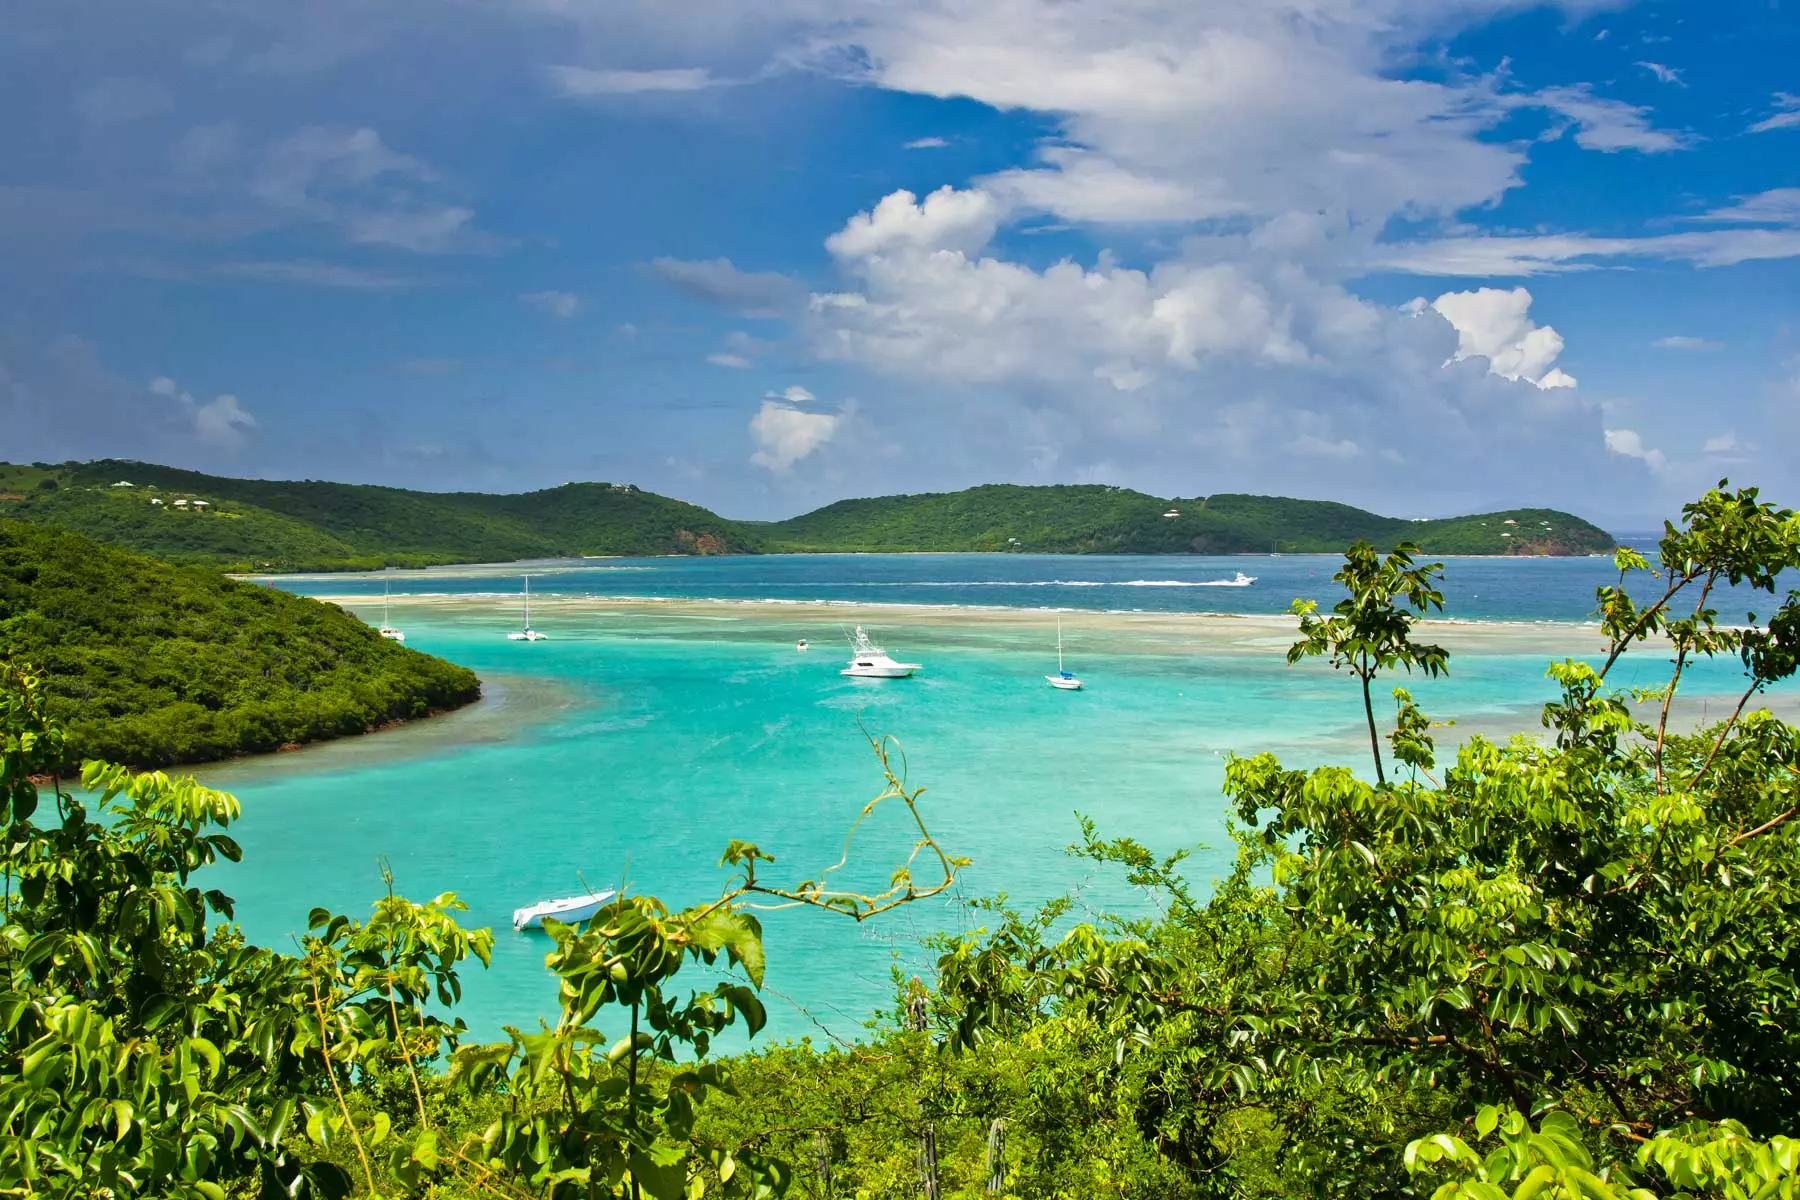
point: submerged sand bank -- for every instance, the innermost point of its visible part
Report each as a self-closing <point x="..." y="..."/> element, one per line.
<point x="1152" y="632"/>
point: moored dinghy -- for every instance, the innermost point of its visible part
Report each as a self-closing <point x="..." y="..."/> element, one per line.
<point x="568" y="910"/>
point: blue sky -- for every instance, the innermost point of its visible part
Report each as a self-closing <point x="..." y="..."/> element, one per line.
<point x="1422" y="256"/>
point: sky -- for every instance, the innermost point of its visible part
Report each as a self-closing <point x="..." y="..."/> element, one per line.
<point x="1425" y="256"/>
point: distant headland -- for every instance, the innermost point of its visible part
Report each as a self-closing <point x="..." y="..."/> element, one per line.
<point x="265" y="526"/>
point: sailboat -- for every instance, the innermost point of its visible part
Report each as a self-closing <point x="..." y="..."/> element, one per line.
<point x="1062" y="681"/>
<point x="387" y="631"/>
<point x="527" y="633"/>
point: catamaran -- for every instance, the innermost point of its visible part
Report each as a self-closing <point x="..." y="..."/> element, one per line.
<point x="568" y="910"/>
<point x="1063" y="680"/>
<point x="869" y="661"/>
<point x="387" y="631"/>
<point x="527" y="634"/>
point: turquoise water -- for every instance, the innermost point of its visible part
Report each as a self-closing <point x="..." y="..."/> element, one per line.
<point x="638" y="740"/>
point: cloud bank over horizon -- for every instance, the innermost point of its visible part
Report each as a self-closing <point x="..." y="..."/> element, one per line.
<point x="1184" y="247"/>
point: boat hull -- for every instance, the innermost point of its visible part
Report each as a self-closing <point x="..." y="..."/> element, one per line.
<point x="893" y="671"/>
<point x="528" y="635"/>
<point x="1063" y="685"/>
<point x="569" y="910"/>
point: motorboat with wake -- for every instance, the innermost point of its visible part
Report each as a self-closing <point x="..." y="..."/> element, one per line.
<point x="869" y="661"/>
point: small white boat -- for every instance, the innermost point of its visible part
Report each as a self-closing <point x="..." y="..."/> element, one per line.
<point x="387" y="630"/>
<point x="1240" y="580"/>
<point x="527" y="634"/>
<point x="1062" y="681"/>
<point x="869" y="661"/>
<point x="568" y="910"/>
<point x="801" y="644"/>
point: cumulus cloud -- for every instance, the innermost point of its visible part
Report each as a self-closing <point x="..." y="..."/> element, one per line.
<point x="947" y="219"/>
<point x="1785" y="116"/>
<point x="785" y="433"/>
<point x="220" y="421"/>
<point x="717" y="281"/>
<point x="1222" y="359"/>
<point x="556" y="304"/>
<point x="1627" y="444"/>
<point x="1494" y="324"/>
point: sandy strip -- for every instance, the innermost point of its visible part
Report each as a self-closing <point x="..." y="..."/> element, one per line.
<point x="1150" y="631"/>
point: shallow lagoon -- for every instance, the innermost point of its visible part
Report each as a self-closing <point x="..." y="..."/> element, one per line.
<point x="646" y="733"/>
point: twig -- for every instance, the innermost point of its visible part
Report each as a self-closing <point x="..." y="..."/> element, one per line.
<point x="331" y="1074"/>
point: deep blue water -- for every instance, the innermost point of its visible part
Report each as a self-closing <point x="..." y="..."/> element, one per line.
<point x="1490" y="589"/>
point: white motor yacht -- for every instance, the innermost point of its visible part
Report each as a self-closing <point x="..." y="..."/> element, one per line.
<point x="869" y="661"/>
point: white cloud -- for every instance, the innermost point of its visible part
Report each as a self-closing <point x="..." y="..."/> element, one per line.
<point x="351" y="179"/>
<point x="926" y="143"/>
<point x="1785" y="116"/>
<point x="1605" y="125"/>
<point x="736" y="362"/>
<point x="314" y="274"/>
<point x="784" y="434"/>
<point x="1545" y="254"/>
<point x="947" y="219"/>
<point x="793" y="394"/>
<point x="220" y="421"/>
<point x="1663" y="74"/>
<point x="1724" y="445"/>
<point x="717" y="281"/>
<point x="1682" y="341"/>
<point x="1495" y="324"/>
<point x="556" y="304"/>
<point x="583" y="81"/>
<point x="1777" y="206"/>
<point x="1627" y="444"/>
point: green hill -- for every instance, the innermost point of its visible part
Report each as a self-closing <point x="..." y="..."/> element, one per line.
<point x="153" y="663"/>
<point x="264" y="525"/>
<point x="1090" y="519"/>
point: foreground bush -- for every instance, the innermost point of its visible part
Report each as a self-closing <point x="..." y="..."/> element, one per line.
<point x="1561" y="969"/>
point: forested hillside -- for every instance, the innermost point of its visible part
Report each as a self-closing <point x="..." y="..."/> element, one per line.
<point x="262" y="525"/>
<point x="1093" y="519"/>
<point x="152" y="663"/>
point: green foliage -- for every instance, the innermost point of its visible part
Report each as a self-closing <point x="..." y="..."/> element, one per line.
<point x="154" y="664"/>
<point x="1370" y="631"/>
<point x="1095" y="519"/>
<point x="1599" y="930"/>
